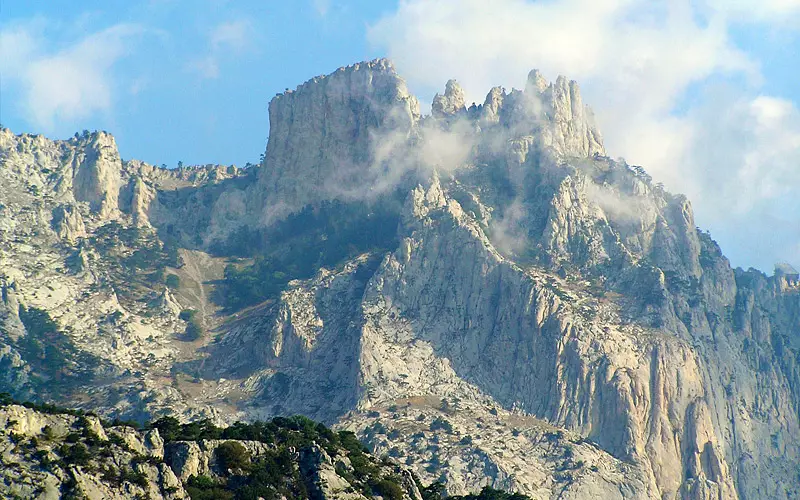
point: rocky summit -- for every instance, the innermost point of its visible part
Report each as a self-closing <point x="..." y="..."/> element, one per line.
<point x="479" y="293"/>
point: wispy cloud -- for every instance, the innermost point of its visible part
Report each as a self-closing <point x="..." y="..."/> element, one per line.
<point x="782" y="12"/>
<point x="636" y="60"/>
<point x="322" y="7"/>
<point x="226" y="39"/>
<point x="66" y="84"/>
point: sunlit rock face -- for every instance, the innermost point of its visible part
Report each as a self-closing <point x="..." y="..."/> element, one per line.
<point x="546" y="319"/>
<point x="329" y="137"/>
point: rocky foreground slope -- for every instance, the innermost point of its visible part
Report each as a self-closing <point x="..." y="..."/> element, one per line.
<point x="479" y="292"/>
<point x="50" y="453"/>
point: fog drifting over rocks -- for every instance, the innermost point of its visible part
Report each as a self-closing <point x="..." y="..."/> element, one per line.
<point x="671" y="90"/>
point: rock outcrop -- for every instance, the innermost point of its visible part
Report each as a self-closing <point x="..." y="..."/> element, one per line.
<point x="449" y="104"/>
<point x="49" y="456"/>
<point x="330" y="137"/>
<point x="68" y="223"/>
<point x="97" y="169"/>
<point x="50" y="453"/>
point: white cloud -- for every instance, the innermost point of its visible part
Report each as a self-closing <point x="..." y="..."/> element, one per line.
<point x="233" y="35"/>
<point x="322" y="7"/>
<point x="64" y="85"/>
<point x="780" y="11"/>
<point x="737" y="155"/>
<point x="18" y="46"/>
<point x="226" y="38"/>
<point x="636" y="60"/>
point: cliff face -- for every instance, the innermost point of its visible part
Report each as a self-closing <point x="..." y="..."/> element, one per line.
<point x="546" y="319"/>
<point x="328" y="138"/>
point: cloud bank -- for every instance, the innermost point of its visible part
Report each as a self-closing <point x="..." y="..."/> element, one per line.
<point x="670" y="88"/>
<point x="231" y="37"/>
<point x="71" y="83"/>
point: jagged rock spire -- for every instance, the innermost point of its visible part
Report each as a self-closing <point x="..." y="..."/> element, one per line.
<point x="449" y="104"/>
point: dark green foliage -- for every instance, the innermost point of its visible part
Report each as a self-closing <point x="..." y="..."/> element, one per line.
<point x="194" y="328"/>
<point x="169" y="428"/>
<point x="47" y="433"/>
<point x="242" y="242"/>
<point x="134" y="477"/>
<point x="441" y="423"/>
<point x="233" y="456"/>
<point x="55" y="361"/>
<point x="434" y="491"/>
<point x="76" y="454"/>
<point x="351" y="443"/>
<point x="318" y="236"/>
<point x="172" y="281"/>
<point x="388" y="488"/>
<point x="205" y="488"/>
<point x="343" y="472"/>
<point x="273" y="474"/>
<point x="123" y="423"/>
<point x="296" y="431"/>
<point x="488" y="493"/>
<point x="362" y="466"/>
<point x="134" y="257"/>
<point x="187" y="314"/>
<point x="43" y="457"/>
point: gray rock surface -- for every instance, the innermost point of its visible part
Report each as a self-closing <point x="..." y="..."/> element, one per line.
<point x="449" y="104"/>
<point x="34" y="464"/>
<point x="329" y="137"/>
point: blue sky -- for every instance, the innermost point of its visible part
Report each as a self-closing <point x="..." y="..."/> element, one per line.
<point x="194" y="78"/>
<point x="703" y="93"/>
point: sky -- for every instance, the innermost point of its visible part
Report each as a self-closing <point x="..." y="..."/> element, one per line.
<point x="705" y="94"/>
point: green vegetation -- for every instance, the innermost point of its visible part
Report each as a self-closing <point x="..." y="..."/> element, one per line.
<point x="295" y="248"/>
<point x="388" y="489"/>
<point x="205" y="488"/>
<point x="173" y="281"/>
<point x="443" y="424"/>
<point x="56" y="364"/>
<point x="436" y="491"/>
<point x="271" y="474"/>
<point x="232" y="456"/>
<point x="194" y="327"/>
<point x="135" y="257"/>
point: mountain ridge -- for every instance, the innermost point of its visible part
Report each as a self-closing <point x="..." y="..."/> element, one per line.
<point x="529" y="275"/>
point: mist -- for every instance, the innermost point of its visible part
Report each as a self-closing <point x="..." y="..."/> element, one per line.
<point x="671" y="91"/>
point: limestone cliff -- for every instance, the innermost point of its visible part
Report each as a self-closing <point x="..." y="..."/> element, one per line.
<point x="329" y="137"/>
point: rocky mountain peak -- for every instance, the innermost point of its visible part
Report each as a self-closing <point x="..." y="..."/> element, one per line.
<point x="97" y="168"/>
<point x="553" y="116"/>
<point x="449" y="104"/>
<point x="353" y="133"/>
<point x="327" y="135"/>
<point x="536" y="82"/>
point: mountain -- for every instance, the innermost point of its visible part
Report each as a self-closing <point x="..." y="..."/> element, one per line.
<point x="480" y="293"/>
